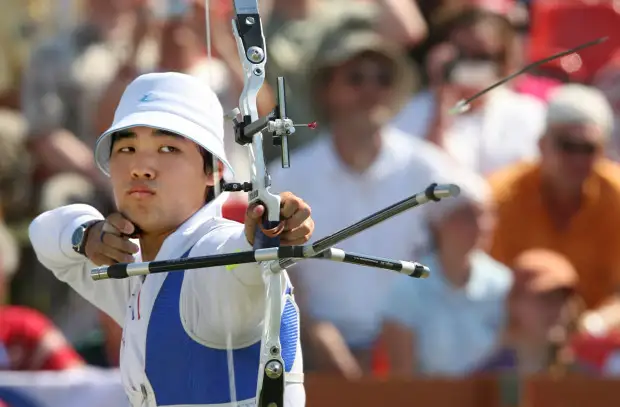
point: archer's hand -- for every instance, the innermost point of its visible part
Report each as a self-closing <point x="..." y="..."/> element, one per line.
<point x="108" y="241"/>
<point x="295" y="213"/>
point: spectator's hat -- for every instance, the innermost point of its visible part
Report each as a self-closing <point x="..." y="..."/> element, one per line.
<point x="578" y="104"/>
<point x="542" y="271"/>
<point x="173" y="102"/>
<point x="352" y="38"/>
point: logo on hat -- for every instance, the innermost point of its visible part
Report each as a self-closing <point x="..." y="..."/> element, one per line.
<point x="147" y="98"/>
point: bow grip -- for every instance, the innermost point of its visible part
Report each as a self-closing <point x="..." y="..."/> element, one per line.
<point x="267" y="235"/>
<point x="262" y="240"/>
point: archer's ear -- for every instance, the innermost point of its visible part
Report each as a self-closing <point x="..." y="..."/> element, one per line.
<point x="212" y="175"/>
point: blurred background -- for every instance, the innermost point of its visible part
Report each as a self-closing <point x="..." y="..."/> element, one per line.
<point x="523" y="303"/>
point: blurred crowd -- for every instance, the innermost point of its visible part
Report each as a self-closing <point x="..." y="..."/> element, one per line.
<point x="525" y="264"/>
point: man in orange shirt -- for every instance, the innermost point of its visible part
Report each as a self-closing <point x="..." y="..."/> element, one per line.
<point x="568" y="201"/>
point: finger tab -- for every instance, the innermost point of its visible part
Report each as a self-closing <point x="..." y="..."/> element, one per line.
<point x="274" y="231"/>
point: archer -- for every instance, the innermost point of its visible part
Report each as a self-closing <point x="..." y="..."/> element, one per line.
<point x="158" y="154"/>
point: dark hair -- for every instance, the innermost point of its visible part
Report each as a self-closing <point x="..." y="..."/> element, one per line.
<point x="207" y="158"/>
<point x="471" y="17"/>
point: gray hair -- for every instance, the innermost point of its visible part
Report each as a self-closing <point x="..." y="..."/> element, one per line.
<point x="580" y="104"/>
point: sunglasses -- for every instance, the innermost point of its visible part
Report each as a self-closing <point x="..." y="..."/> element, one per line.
<point x="566" y="145"/>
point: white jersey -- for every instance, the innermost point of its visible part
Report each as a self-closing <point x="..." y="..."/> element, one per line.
<point x="175" y="324"/>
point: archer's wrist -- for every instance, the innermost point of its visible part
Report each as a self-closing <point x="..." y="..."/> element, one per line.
<point x="67" y="236"/>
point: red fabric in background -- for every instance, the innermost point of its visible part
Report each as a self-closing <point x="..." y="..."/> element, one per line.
<point x="557" y="25"/>
<point x="234" y="209"/>
<point x="23" y="331"/>
<point x="380" y="362"/>
<point x="595" y="351"/>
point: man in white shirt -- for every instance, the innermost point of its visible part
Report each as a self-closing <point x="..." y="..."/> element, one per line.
<point x="158" y="154"/>
<point x="356" y="167"/>
<point x="503" y="126"/>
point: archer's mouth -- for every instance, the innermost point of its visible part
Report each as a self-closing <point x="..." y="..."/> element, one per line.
<point x="141" y="194"/>
<point x="141" y="191"/>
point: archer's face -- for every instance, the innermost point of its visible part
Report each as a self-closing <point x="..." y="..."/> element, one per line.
<point x="158" y="179"/>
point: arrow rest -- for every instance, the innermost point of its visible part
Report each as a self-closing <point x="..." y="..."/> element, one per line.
<point x="276" y="123"/>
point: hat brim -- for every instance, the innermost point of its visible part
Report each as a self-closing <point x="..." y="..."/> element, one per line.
<point x="355" y="44"/>
<point x="161" y="121"/>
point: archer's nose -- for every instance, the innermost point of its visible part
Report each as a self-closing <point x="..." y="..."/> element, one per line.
<point x="142" y="169"/>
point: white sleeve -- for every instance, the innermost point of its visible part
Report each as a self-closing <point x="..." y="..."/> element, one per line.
<point x="220" y="300"/>
<point x="50" y="234"/>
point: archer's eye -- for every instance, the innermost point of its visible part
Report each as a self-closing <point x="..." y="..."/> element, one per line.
<point x="169" y="149"/>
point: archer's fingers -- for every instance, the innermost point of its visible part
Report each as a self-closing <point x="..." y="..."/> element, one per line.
<point x="298" y="218"/>
<point x="255" y="213"/>
<point x="290" y="205"/>
<point x="120" y="243"/>
<point x="116" y="223"/>
<point x="299" y="235"/>
<point x="101" y="260"/>
<point x="116" y="255"/>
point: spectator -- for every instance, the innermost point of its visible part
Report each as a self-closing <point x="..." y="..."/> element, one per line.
<point x="358" y="80"/>
<point x="503" y="126"/>
<point x="293" y="31"/>
<point x="447" y="324"/>
<point x="569" y="200"/>
<point x="543" y="311"/>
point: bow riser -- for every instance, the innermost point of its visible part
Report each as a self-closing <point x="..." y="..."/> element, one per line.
<point x="250" y="130"/>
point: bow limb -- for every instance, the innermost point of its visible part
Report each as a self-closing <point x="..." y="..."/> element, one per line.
<point x="248" y="32"/>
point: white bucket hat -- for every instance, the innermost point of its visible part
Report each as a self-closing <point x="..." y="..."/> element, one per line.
<point x="173" y="102"/>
